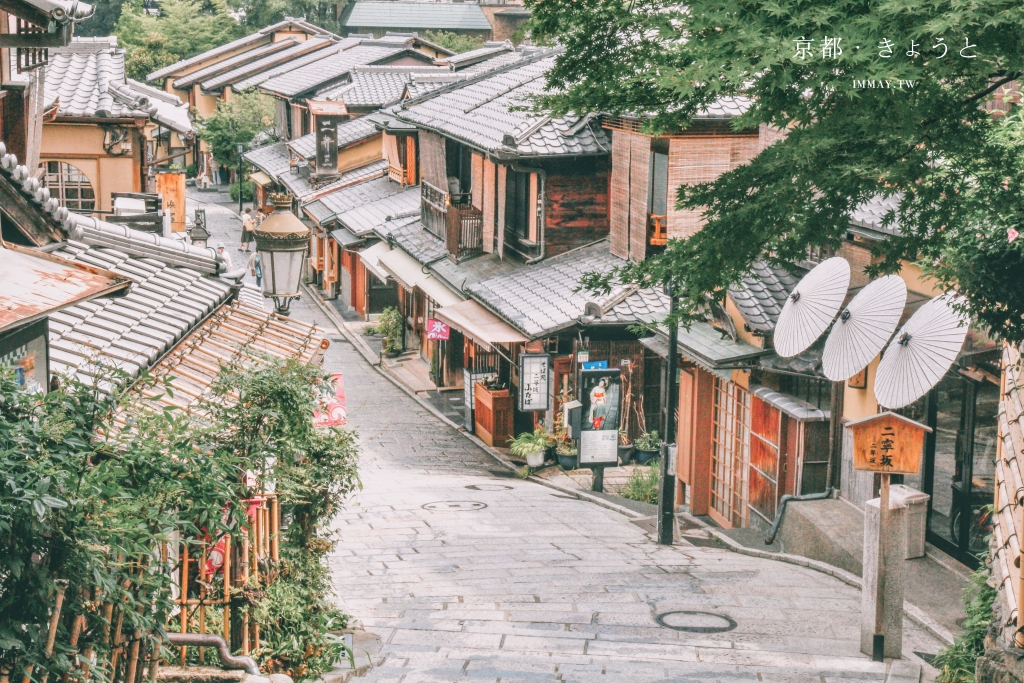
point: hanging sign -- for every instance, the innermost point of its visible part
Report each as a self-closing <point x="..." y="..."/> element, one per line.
<point x="595" y="365"/>
<point x="327" y="144"/>
<point x="600" y="392"/>
<point x="888" y="443"/>
<point x="437" y="330"/>
<point x="533" y="382"/>
<point x="332" y="411"/>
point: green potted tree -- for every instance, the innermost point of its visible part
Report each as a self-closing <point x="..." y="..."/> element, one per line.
<point x="568" y="455"/>
<point x="648" y="447"/>
<point x="532" y="447"/>
<point x="389" y="326"/>
<point x="625" y="447"/>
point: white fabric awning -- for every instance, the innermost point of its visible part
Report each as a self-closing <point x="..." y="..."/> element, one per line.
<point x="479" y="324"/>
<point x="371" y="259"/>
<point x="409" y="273"/>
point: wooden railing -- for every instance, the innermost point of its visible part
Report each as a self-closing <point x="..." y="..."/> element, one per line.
<point x="434" y="210"/>
<point x="657" y="230"/>
<point x="396" y="174"/>
<point x="457" y="222"/>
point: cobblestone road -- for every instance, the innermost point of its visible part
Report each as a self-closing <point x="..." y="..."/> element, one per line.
<point x="468" y="575"/>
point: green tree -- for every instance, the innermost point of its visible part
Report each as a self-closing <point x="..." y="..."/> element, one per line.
<point x="183" y="29"/>
<point x="453" y="41"/>
<point x="926" y="139"/>
<point x="238" y="120"/>
<point x="261" y="13"/>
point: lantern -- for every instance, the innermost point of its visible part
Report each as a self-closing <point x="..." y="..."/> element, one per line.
<point x="281" y="241"/>
<point x="199" y="234"/>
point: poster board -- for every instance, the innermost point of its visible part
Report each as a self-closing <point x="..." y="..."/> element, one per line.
<point x="534" y="372"/>
<point x="601" y="396"/>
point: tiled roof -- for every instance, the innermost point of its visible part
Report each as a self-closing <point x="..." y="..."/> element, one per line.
<point x="73" y="11"/>
<point x="260" y="36"/>
<point x="484" y="113"/>
<point x="322" y="71"/>
<point x="418" y="88"/>
<point x="349" y="132"/>
<point x="373" y="88"/>
<point x="463" y="16"/>
<point x="255" y="69"/>
<point x="300" y="186"/>
<point x="363" y="219"/>
<point x="871" y="213"/>
<point x="761" y="294"/>
<point x="265" y="71"/>
<point x="790" y="405"/>
<point x="330" y="205"/>
<point x="496" y="62"/>
<point x="84" y="76"/>
<point x="490" y="49"/>
<point x="541" y="299"/>
<point x="165" y="108"/>
<point x="247" y="57"/>
<point x="643" y="305"/>
<point x="419" y="243"/>
<point x="274" y="160"/>
<point x="727" y="108"/>
<point x="461" y="275"/>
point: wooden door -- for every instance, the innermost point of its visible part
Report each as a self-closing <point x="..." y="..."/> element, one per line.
<point x="765" y="443"/>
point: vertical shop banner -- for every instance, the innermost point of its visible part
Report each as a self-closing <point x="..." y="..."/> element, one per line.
<point x="437" y="330"/>
<point x="327" y="144"/>
<point x="332" y="412"/>
<point x="534" y="370"/>
<point x="601" y="395"/>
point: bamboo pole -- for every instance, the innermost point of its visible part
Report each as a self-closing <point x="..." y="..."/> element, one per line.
<point x="133" y="661"/>
<point x="184" y="599"/>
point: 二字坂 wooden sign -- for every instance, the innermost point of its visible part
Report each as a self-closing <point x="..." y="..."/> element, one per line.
<point x="887" y="442"/>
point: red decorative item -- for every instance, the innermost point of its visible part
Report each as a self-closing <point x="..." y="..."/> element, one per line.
<point x="437" y="330"/>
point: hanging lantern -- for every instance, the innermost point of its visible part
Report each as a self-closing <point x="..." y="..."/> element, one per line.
<point x="281" y="241"/>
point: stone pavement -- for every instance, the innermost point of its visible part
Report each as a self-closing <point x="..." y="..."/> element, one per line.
<point x="467" y="574"/>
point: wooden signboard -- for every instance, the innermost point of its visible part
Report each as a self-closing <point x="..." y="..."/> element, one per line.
<point x="171" y="185"/>
<point x="887" y="443"/>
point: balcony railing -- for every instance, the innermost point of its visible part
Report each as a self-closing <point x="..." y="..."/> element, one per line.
<point x="657" y="230"/>
<point x="458" y="223"/>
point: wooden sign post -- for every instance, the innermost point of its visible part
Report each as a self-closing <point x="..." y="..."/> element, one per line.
<point x="886" y="443"/>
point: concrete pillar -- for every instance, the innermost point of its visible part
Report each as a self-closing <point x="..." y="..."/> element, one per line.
<point x="895" y="551"/>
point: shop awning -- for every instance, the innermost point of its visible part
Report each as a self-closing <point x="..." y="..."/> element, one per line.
<point x="479" y="324"/>
<point x="346" y="239"/>
<point x="371" y="259"/>
<point x="261" y="179"/>
<point x="409" y="273"/>
<point x="707" y="347"/>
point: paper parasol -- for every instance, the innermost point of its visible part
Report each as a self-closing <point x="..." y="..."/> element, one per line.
<point x="811" y="306"/>
<point x="863" y="327"/>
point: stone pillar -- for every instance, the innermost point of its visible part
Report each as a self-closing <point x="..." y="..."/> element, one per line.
<point x="895" y="551"/>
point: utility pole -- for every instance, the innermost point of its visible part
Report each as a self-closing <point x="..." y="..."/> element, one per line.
<point x="667" y="491"/>
<point x="241" y="150"/>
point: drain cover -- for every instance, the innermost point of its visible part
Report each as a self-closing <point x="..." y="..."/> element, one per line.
<point x="455" y="505"/>
<point x="489" y="487"/>
<point x="696" y="622"/>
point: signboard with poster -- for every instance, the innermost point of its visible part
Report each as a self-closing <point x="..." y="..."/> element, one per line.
<point x="887" y="443"/>
<point x="534" y="370"/>
<point x="332" y="411"/>
<point x="600" y="393"/>
<point x="26" y="352"/>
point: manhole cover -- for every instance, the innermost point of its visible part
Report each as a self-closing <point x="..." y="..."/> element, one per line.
<point x="696" y="622"/>
<point x="489" y="487"/>
<point x="455" y="505"/>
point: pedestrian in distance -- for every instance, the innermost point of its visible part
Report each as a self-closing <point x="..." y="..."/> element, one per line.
<point x="227" y="257"/>
<point x="255" y="266"/>
<point x="248" y="225"/>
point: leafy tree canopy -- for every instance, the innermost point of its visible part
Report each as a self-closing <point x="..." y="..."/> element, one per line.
<point x="262" y="13"/>
<point x="453" y="41"/>
<point x="183" y="29"/>
<point x="957" y="170"/>
<point x="238" y="120"/>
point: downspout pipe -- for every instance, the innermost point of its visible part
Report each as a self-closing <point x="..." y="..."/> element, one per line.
<point x="827" y="493"/>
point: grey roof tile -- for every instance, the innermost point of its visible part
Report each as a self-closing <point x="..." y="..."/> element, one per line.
<point x="420" y="15"/>
<point x="349" y="132"/>
<point x="485" y="113"/>
<point x="419" y="243"/>
<point x="373" y="88"/>
<point x="305" y="191"/>
<point x="542" y="298"/>
<point x="265" y="74"/>
<point x="274" y="160"/>
<point x="761" y="294"/>
<point x="247" y="57"/>
<point x="322" y="71"/>
<point x="330" y="205"/>
<point x="363" y="219"/>
<point x="643" y="305"/>
<point x="871" y="214"/>
<point x="242" y="76"/>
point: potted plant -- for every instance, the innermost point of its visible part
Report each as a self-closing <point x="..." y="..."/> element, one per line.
<point x="568" y="455"/>
<point x="648" y="447"/>
<point x="532" y="447"/>
<point x="625" y="447"/>
<point x="389" y="326"/>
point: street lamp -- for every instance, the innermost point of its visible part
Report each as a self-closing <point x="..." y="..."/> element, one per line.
<point x="241" y="149"/>
<point x="281" y="242"/>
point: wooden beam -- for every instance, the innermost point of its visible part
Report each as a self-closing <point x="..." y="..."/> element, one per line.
<point x="28" y="217"/>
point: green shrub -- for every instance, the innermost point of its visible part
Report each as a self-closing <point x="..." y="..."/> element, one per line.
<point x="642" y="484"/>
<point x="648" y="441"/>
<point x="956" y="662"/>
<point x="247" y="191"/>
<point x="389" y="326"/>
<point x="191" y="171"/>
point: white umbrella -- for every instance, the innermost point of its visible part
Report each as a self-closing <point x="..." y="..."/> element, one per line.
<point x="922" y="352"/>
<point x="811" y="306"/>
<point x="863" y="327"/>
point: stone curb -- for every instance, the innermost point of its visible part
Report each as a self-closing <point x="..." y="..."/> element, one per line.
<point x="914" y="613"/>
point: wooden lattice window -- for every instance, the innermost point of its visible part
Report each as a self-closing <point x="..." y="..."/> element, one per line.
<point x="730" y="454"/>
<point x="69" y="185"/>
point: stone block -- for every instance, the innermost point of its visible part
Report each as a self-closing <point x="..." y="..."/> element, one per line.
<point x="895" y="548"/>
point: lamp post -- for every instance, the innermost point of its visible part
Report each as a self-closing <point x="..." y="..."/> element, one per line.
<point x="281" y="242"/>
<point x="667" y="490"/>
<point x="241" y="149"/>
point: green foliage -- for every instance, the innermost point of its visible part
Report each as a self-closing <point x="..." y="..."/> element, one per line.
<point x="527" y="443"/>
<point x="642" y="484"/>
<point x="523" y="472"/>
<point x="103" y="20"/>
<point x="933" y="144"/>
<point x="183" y="29"/>
<point x="389" y="326"/>
<point x="648" y="441"/>
<point x="956" y="663"/>
<point x="454" y="41"/>
<point x="248" y="191"/>
<point x="238" y="120"/>
<point x="262" y="13"/>
<point x="191" y="171"/>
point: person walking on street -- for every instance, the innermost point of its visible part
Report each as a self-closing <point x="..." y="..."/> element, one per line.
<point x="260" y="217"/>
<point x="227" y="257"/>
<point x="248" y="225"/>
<point x="255" y="266"/>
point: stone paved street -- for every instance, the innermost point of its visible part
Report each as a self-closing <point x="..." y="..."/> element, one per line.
<point x="468" y="575"/>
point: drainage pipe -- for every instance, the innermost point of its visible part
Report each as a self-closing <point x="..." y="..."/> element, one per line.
<point x="227" y="660"/>
<point x="827" y="493"/>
